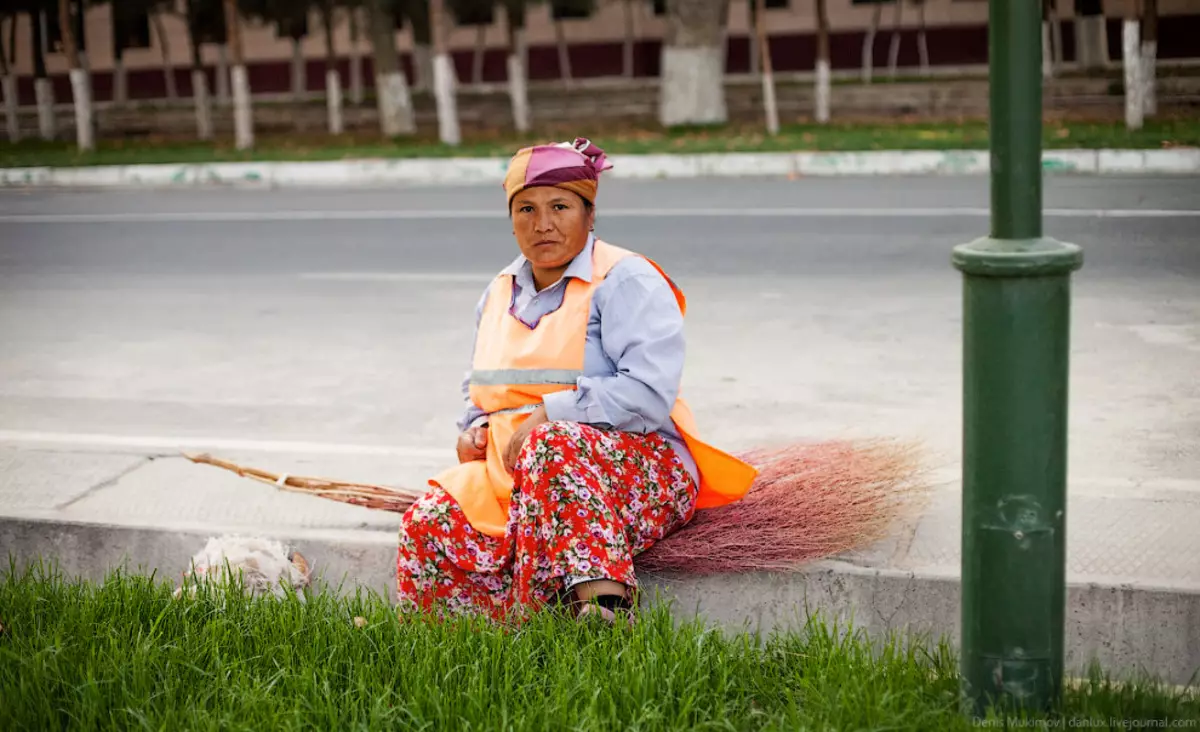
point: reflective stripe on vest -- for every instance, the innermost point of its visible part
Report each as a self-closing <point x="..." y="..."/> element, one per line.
<point x="523" y="377"/>
<point x="516" y="366"/>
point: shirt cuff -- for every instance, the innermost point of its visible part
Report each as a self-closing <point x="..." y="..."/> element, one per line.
<point x="562" y="406"/>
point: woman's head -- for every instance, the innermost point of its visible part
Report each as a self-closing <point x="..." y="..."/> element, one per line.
<point x="551" y="192"/>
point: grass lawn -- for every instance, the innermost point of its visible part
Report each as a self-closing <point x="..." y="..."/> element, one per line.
<point x="899" y="136"/>
<point x="125" y="655"/>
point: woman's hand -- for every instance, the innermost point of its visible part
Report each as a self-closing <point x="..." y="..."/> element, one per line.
<point x="472" y="445"/>
<point x="518" y="439"/>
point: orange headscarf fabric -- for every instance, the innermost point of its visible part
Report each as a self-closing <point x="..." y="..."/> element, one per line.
<point x="575" y="167"/>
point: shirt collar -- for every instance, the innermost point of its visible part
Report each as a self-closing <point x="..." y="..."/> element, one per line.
<point x="580" y="267"/>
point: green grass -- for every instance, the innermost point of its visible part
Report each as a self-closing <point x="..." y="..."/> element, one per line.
<point x="837" y="137"/>
<point x="125" y="655"/>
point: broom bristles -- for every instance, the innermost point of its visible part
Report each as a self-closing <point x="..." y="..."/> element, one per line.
<point x="809" y="501"/>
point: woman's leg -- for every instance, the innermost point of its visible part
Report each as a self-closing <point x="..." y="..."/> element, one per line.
<point x="585" y="502"/>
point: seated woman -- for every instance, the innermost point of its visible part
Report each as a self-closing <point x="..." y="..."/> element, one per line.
<point x="576" y="452"/>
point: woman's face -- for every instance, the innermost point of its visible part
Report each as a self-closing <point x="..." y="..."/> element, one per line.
<point x="551" y="226"/>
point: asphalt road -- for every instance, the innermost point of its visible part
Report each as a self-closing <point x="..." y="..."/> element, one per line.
<point x="819" y="308"/>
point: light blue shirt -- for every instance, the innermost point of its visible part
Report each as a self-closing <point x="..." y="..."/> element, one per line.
<point x="633" y="355"/>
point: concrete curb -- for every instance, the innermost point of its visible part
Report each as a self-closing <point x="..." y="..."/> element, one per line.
<point x="1129" y="630"/>
<point x="1178" y="161"/>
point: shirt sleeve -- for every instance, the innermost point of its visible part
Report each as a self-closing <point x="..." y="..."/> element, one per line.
<point x="641" y="334"/>
<point x="472" y="415"/>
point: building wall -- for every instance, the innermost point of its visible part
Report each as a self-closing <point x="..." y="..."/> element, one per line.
<point x="955" y="29"/>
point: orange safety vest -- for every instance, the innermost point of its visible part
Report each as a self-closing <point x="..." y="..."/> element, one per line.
<point x="515" y="366"/>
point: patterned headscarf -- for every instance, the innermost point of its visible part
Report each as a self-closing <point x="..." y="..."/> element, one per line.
<point x="575" y="167"/>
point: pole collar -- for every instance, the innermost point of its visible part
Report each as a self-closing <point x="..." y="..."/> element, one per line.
<point x="1040" y="257"/>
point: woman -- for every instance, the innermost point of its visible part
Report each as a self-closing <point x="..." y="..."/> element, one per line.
<point x="575" y="452"/>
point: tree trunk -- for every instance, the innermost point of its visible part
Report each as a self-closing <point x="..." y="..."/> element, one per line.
<point x="518" y="86"/>
<point x="868" y="49"/>
<point x="204" y="126"/>
<point x="8" y="86"/>
<point x="243" y="114"/>
<point x="356" y="77"/>
<point x="1132" y="56"/>
<point x="627" y="49"/>
<point x="922" y="42"/>
<point x="692" y="89"/>
<point x="752" y="38"/>
<point x="164" y="44"/>
<point x="299" y="70"/>
<point x="1091" y="40"/>
<point x="443" y="77"/>
<point x="823" y="85"/>
<point x="422" y="67"/>
<point x="223" y="73"/>
<point x="391" y="89"/>
<point x="564" y="54"/>
<point x="79" y="82"/>
<point x="477" y="55"/>
<point x="43" y="91"/>
<point x="894" y="49"/>
<point x="770" y="110"/>
<point x="1056" y="37"/>
<point x="120" y="81"/>
<point x="333" y="80"/>
<point x="1150" y="57"/>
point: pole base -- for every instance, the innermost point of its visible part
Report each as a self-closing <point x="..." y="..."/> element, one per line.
<point x="1041" y="257"/>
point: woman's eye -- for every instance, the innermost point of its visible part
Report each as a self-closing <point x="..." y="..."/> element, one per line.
<point x="526" y="209"/>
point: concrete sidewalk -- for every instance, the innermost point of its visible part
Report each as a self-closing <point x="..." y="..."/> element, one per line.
<point x="1134" y="573"/>
<point x="443" y="171"/>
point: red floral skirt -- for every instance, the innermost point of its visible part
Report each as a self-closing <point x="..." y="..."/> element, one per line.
<point x="585" y="502"/>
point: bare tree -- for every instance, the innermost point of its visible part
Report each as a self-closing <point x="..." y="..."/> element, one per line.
<point x="243" y="114"/>
<point x="79" y="84"/>
<point x="333" y="80"/>
<point x="9" y="82"/>
<point x="1150" y="57"/>
<point x="164" y="45"/>
<point x="356" y="78"/>
<point x="391" y="88"/>
<point x="771" y="111"/>
<point x="868" y="48"/>
<point x="692" y="87"/>
<point x="518" y="87"/>
<point x="43" y="90"/>
<point x="627" y="47"/>
<point x="1132" y="56"/>
<point x="444" y="92"/>
<point x="894" y="48"/>
<point x="823" y="85"/>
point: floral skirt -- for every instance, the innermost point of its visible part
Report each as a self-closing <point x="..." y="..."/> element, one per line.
<point x="585" y="501"/>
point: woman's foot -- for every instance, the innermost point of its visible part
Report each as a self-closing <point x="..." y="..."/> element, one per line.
<point x="605" y="607"/>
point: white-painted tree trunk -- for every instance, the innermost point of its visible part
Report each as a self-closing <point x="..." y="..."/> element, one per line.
<point x="769" y="105"/>
<point x="477" y="59"/>
<point x="395" y="105"/>
<point x="692" y="89"/>
<point x="564" y="54"/>
<point x="243" y="113"/>
<point x="894" y="47"/>
<point x="423" y="67"/>
<point x="43" y="92"/>
<point x="333" y="99"/>
<point x="11" y="109"/>
<point x="1131" y="50"/>
<point x="447" y="104"/>
<point x="823" y="90"/>
<point x="120" y="82"/>
<point x="1149" y="69"/>
<point x="1091" y="42"/>
<point x="222" y="74"/>
<point x="356" y="63"/>
<point x="299" y="70"/>
<point x="83" y="110"/>
<point x="518" y="85"/>
<point x="868" y="48"/>
<point x="204" y="125"/>
<point x="1047" y="52"/>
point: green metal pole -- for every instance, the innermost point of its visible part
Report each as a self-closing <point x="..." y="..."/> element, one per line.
<point x="1016" y="331"/>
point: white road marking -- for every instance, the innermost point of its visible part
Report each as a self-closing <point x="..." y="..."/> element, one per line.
<point x="182" y="217"/>
<point x="166" y="442"/>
